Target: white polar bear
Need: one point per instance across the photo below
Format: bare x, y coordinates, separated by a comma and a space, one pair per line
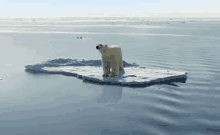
112, 59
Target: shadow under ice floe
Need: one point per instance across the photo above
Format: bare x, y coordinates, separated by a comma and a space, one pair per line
91, 71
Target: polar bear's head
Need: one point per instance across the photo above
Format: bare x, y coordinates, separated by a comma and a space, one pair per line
101, 48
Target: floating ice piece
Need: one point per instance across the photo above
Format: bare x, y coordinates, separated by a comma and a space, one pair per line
133, 76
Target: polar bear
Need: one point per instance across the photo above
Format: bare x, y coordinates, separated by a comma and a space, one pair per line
112, 59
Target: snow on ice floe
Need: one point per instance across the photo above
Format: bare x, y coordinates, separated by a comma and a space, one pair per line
133, 76
91, 71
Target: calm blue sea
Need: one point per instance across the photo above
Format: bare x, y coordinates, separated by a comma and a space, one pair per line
55, 104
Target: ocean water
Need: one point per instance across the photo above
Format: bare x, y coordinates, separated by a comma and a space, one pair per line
56, 104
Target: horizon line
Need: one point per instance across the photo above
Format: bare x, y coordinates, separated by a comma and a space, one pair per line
106, 14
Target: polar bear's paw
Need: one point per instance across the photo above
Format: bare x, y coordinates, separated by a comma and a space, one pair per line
106, 75
112, 75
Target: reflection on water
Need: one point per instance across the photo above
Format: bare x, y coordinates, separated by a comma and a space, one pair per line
110, 94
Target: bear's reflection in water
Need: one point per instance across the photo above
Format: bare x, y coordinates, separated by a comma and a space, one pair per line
110, 94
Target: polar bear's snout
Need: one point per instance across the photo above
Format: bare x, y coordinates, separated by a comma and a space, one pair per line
97, 47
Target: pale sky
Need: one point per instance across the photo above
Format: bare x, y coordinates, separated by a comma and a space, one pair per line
142, 8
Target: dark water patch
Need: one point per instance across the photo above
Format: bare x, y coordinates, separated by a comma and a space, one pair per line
162, 64
209, 67
198, 69
201, 83
202, 72
163, 105
158, 98
200, 78
168, 93
208, 61
170, 110
169, 103
187, 128
158, 121
158, 66
164, 60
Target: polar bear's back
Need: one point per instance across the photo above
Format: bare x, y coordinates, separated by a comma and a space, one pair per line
117, 48
114, 46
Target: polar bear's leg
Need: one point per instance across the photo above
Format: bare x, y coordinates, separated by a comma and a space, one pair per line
115, 69
106, 68
121, 66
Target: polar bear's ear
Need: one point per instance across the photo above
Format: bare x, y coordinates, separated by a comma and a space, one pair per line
105, 45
